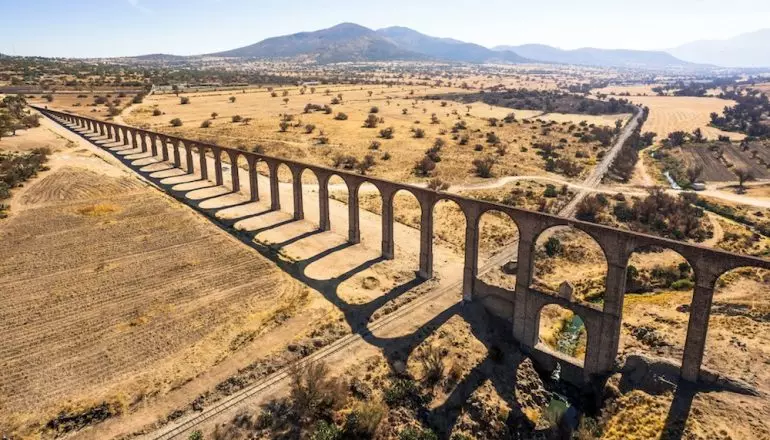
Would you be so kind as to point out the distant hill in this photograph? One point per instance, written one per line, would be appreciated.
(341, 43)
(446, 48)
(159, 57)
(746, 50)
(599, 57)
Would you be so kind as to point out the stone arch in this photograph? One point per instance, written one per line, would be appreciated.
(659, 289)
(369, 199)
(231, 158)
(338, 189)
(568, 261)
(280, 171)
(738, 320)
(450, 221)
(497, 230)
(311, 200)
(203, 161)
(407, 210)
(562, 330)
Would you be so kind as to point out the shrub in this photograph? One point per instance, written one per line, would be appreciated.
(424, 167)
(552, 247)
(341, 116)
(326, 431)
(403, 392)
(371, 121)
(176, 122)
(364, 420)
(385, 156)
(464, 139)
(184, 100)
(48, 97)
(206, 124)
(196, 435)
(309, 128)
(418, 133)
(214, 115)
(410, 433)
(683, 284)
(157, 112)
(374, 110)
(432, 365)
(313, 395)
(437, 185)
(550, 191)
(483, 167)
(344, 161)
(492, 138)
(138, 99)
(365, 164)
(589, 208)
(375, 145)
(236, 118)
(387, 133)
(232, 99)
(283, 126)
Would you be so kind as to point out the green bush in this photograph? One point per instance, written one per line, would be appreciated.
(362, 422)
(403, 392)
(176, 122)
(683, 284)
(550, 191)
(196, 435)
(184, 100)
(552, 247)
(326, 431)
(417, 434)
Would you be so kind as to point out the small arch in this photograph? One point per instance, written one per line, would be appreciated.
(407, 218)
(659, 290)
(284, 174)
(562, 330)
(497, 232)
(370, 200)
(737, 336)
(449, 225)
(338, 193)
(568, 254)
(311, 198)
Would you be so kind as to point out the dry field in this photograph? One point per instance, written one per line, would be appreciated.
(395, 158)
(715, 170)
(113, 293)
(634, 90)
(673, 113)
(74, 103)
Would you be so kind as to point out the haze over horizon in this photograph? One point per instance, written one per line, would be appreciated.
(96, 28)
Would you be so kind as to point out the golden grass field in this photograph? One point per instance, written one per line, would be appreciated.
(351, 138)
(685, 113)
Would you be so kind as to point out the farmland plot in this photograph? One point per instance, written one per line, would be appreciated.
(716, 170)
(112, 292)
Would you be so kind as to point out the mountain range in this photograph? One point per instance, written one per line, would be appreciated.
(746, 50)
(349, 42)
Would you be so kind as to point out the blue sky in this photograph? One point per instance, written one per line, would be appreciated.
(83, 28)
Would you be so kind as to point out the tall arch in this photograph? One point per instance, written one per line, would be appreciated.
(570, 263)
(498, 237)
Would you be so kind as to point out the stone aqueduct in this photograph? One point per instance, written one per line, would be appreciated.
(523, 305)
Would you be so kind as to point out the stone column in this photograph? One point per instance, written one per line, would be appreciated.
(235, 177)
(116, 130)
(324, 220)
(163, 147)
(522, 322)
(354, 222)
(177, 157)
(253, 178)
(188, 157)
(153, 146)
(697, 327)
(605, 345)
(426, 238)
(471, 267)
(125, 136)
(203, 162)
(296, 183)
(388, 242)
(275, 196)
(101, 129)
(144, 141)
(217, 165)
